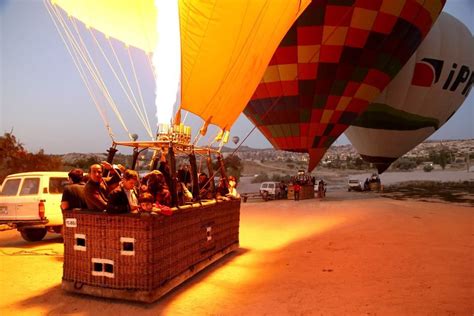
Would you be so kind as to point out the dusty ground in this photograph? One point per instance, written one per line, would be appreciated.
(351, 254)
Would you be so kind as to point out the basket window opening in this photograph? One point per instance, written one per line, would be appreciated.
(99, 267)
(128, 246)
(109, 268)
(80, 242)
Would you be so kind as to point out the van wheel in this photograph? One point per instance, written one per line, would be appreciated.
(33, 234)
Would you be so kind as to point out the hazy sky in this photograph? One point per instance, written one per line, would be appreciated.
(45, 103)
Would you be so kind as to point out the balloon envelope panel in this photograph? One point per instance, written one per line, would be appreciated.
(424, 95)
(334, 61)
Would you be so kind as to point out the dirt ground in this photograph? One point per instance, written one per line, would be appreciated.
(347, 255)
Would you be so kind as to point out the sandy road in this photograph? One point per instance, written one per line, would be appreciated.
(340, 256)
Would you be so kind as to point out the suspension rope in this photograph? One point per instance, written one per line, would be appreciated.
(81, 71)
(134, 103)
(88, 62)
(95, 73)
(147, 120)
(116, 76)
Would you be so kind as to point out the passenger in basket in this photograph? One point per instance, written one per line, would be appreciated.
(156, 185)
(232, 187)
(73, 194)
(205, 191)
(97, 189)
(184, 175)
(147, 206)
(184, 195)
(222, 189)
(124, 198)
(146, 201)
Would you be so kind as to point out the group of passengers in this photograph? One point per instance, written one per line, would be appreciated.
(119, 190)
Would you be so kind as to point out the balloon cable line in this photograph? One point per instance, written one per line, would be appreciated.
(89, 63)
(134, 103)
(78, 65)
(86, 59)
(80, 49)
(147, 120)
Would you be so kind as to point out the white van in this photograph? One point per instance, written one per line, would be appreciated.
(31, 202)
(270, 190)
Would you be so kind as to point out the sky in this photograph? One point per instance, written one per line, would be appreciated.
(44, 102)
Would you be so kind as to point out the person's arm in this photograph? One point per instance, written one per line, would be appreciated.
(118, 202)
(64, 199)
(64, 205)
(94, 199)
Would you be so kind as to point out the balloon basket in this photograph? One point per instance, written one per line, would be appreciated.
(141, 257)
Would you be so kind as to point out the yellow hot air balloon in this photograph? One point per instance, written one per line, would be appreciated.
(225, 45)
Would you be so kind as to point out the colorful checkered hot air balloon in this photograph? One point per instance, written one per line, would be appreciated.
(423, 96)
(334, 61)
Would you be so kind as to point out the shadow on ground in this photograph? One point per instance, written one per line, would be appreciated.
(432, 191)
(67, 303)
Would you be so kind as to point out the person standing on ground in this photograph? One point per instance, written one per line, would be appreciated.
(297, 189)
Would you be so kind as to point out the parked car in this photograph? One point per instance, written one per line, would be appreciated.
(270, 190)
(31, 203)
(354, 185)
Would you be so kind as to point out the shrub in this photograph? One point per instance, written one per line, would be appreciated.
(262, 177)
(428, 168)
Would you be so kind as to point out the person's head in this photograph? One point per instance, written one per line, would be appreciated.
(129, 179)
(146, 201)
(202, 177)
(232, 182)
(75, 175)
(95, 172)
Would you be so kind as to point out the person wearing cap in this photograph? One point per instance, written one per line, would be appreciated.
(73, 194)
(123, 199)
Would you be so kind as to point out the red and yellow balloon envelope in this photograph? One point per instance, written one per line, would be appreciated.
(336, 59)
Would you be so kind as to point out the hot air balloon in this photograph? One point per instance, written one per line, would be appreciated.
(235, 139)
(334, 61)
(225, 45)
(225, 48)
(422, 97)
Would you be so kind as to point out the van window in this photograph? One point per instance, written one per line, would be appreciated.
(271, 185)
(30, 186)
(10, 187)
(56, 185)
(264, 186)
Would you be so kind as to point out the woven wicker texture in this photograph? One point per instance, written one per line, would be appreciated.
(162, 246)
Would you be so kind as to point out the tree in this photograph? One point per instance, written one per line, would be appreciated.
(15, 158)
(404, 164)
(443, 159)
(233, 166)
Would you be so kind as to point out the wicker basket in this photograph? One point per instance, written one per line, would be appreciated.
(143, 256)
(306, 192)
